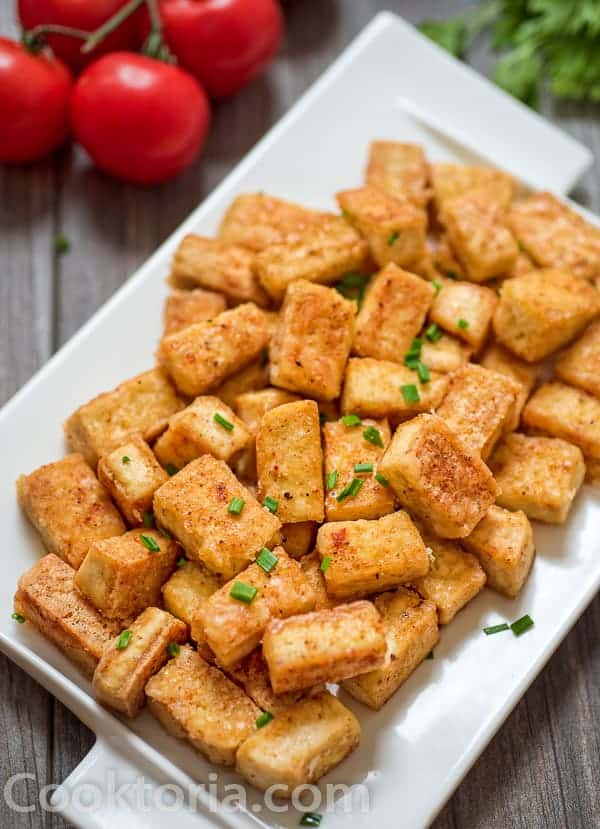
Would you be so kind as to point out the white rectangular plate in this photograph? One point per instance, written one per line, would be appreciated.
(415, 751)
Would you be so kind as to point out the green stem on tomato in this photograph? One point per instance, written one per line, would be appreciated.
(113, 23)
(155, 46)
(34, 39)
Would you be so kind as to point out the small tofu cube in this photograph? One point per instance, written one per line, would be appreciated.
(183, 308)
(140, 405)
(503, 543)
(381, 388)
(395, 228)
(289, 460)
(324, 646)
(68, 507)
(497, 358)
(251, 378)
(121, 676)
(434, 477)
(564, 412)
(311, 564)
(454, 579)
(187, 589)
(411, 627)
(392, 314)
(592, 471)
(445, 354)
(479, 407)
(122, 576)
(446, 260)
(580, 364)
(298, 747)
(297, 539)
(196, 702)
(131, 475)
(257, 221)
(47, 598)
(399, 169)
(464, 310)
(542, 311)
(452, 180)
(193, 505)
(312, 341)
(210, 263)
(202, 356)
(252, 674)
(370, 556)
(538, 475)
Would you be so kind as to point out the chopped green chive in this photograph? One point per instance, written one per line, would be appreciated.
(125, 459)
(351, 420)
(373, 435)
(267, 560)
(331, 479)
(149, 543)
(430, 655)
(165, 533)
(325, 564)
(522, 624)
(414, 352)
(243, 592)
(61, 244)
(272, 504)
(437, 285)
(423, 373)
(264, 719)
(226, 424)
(363, 467)
(171, 469)
(18, 618)
(462, 323)
(351, 489)
(433, 333)
(353, 286)
(181, 562)
(173, 649)
(236, 505)
(410, 393)
(124, 639)
(149, 519)
(393, 238)
(310, 819)
(381, 480)
(346, 214)
(496, 629)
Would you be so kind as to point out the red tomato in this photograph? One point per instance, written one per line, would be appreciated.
(34, 103)
(225, 43)
(82, 14)
(139, 119)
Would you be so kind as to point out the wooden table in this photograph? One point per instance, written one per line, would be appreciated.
(542, 769)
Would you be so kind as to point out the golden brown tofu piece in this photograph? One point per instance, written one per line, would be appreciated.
(233, 628)
(252, 674)
(324, 646)
(479, 407)
(187, 589)
(381, 388)
(580, 364)
(395, 229)
(297, 539)
(445, 354)
(121, 576)
(399, 169)
(452, 180)
(447, 487)
(257, 221)
(464, 310)
(555, 236)
(122, 673)
(251, 378)
(592, 471)
(542, 311)
(68, 507)
(194, 506)
(497, 358)
(312, 341)
(196, 702)
(392, 314)
(503, 543)
(140, 405)
(47, 598)
(361, 557)
(202, 356)
(131, 475)
(446, 261)
(209, 263)
(411, 628)
(300, 745)
(538, 475)
(311, 564)
(564, 412)
(183, 308)
(289, 460)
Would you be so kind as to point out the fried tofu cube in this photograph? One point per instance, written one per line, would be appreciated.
(542, 311)
(131, 475)
(187, 589)
(324, 646)
(479, 407)
(411, 628)
(381, 388)
(289, 460)
(202, 356)
(464, 310)
(140, 405)
(47, 598)
(297, 539)
(194, 506)
(121, 675)
(183, 308)
(299, 746)
(370, 556)
(564, 412)
(447, 487)
(68, 507)
(252, 674)
(452, 180)
(538, 475)
(592, 471)
(503, 543)
(455, 577)
(253, 377)
(196, 702)
(445, 354)
(312, 341)
(234, 628)
(209, 263)
(446, 260)
(311, 564)
(395, 229)
(257, 221)
(122, 576)
(497, 358)
(399, 169)
(556, 236)
(580, 364)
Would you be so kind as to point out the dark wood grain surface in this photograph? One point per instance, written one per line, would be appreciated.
(542, 769)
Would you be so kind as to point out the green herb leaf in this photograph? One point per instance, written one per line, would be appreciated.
(310, 819)
(350, 490)
(462, 323)
(226, 424)
(150, 544)
(423, 373)
(18, 618)
(173, 649)
(171, 469)
(267, 560)
(363, 467)
(393, 238)
(325, 564)
(437, 285)
(351, 420)
(433, 333)
(181, 562)
(61, 244)
(264, 719)
(243, 592)
(410, 393)
(124, 639)
(125, 459)
(149, 520)
(381, 479)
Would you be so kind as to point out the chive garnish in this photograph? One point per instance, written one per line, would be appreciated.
(325, 564)
(61, 244)
(165, 533)
(437, 285)
(522, 624)
(18, 618)
(489, 631)
(351, 489)
(393, 238)
(351, 420)
(243, 592)
(150, 544)
(181, 562)
(149, 519)
(433, 333)
(363, 467)
(410, 393)
(171, 469)
(264, 719)
(124, 639)
(226, 424)
(267, 560)
(381, 480)
(310, 819)
(462, 323)
(423, 373)
(271, 504)
(373, 435)
(173, 649)
(236, 505)
(125, 459)
(331, 479)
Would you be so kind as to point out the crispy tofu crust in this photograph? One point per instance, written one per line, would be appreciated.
(252, 674)
(68, 507)
(183, 308)
(196, 702)
(187, 589)
(253, 377)
(297, 539)
(436, 478)
(47, 598)
(121, 675)
(497, 358)
(580, 364)
(564, 412)
(399, 170)
(462, 302)
(324, 646)
(452, 180)
(445, 355)
(311, 564)
(371, 556)
(300, 745)
(411, 628)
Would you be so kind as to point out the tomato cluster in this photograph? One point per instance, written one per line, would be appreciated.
(139, 116)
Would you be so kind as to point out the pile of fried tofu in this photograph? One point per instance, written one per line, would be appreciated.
(342, 442)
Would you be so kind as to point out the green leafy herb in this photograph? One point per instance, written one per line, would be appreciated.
(363, 467)
(410, 393)
(393, 238)
(125, 459)
(350, 490)
(489, 631)
(433, 333)
(381, 479)
(272, 504)
(331, 479)
(124, 639)
(236, 505)
(243, 592)
(173, 649)
(226, 424)
(267, 560)
(165, 533)
(373, 435)
(462, 323)
(181, 562)
(522, 624)
(423, 373)
(311, 819)
(264, 719)
(149, 519)
(351, 420)
(325, 564)
(171, 469)
(61, 244)
(18, 618)
(150, 544)
(437, 285)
